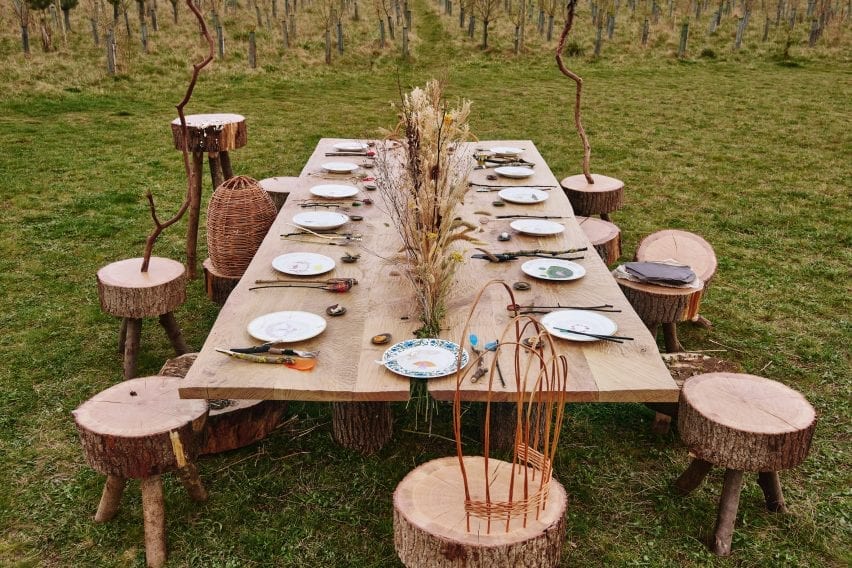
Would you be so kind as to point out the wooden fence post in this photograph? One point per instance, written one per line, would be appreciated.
(110, 50)
(143, 32)
(381, 33)
(405, 42)
(646, 27)
(220, 41)
(598, 38)
(252, 54)
(471, 23)
(339, 36)
(684, 37)
(814, 35)
(461, 17)
(95, 37)
(739, 37)
(327, 46)
(517, 38)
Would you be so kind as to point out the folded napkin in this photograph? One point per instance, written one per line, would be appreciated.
(663, 273)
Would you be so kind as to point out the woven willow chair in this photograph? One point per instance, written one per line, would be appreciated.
(483, 511)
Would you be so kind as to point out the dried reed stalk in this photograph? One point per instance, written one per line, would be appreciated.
(541, 381)
(421, 185)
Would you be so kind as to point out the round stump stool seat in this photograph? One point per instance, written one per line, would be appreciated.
(742, 423)
(127, 292)
(232, 423)
(431, 525)
(604, 236)
(600, 198)
(686, 248)
(139, 428)
(217, 286)
(279, 188)
(216, 135)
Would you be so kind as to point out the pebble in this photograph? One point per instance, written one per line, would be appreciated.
(504, 237)
(381, 339)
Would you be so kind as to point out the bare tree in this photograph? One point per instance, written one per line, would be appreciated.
(44, 25)
(488, 11)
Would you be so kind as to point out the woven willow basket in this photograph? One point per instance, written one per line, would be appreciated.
(238, 218)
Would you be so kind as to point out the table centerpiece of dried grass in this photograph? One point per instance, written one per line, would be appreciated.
(422, 183)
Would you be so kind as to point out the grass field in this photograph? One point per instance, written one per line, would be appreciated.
(751, 152)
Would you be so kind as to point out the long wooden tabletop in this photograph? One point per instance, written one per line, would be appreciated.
(382, 302)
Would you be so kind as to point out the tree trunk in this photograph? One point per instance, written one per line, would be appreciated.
(484, 34)
(362, 426)
(25, 39)
(66, 15)
(217, 285)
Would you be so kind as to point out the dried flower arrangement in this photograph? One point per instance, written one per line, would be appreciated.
(422, 183)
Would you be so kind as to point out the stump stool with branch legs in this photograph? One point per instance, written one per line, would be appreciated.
(216, 135)
(742, 423)
(140, 429)
(127, 292)
(604, 236)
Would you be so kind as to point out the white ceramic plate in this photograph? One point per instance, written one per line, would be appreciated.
(506, 150)
(553, 269)
(320, 220)
(286, 327)
(514, 172)
(303, 263)
(350, 146)
(524, 195)
(537, 227)
(333, 191)
(578, 320)
(340, 167)
(423, 358)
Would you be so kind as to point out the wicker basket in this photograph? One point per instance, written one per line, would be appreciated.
(238, 218)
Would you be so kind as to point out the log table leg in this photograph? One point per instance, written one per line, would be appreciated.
(729, 502)
(154, 517)
(690, 479)
(167, 320)
(194, 212)
(131, 346)
(771, 485)
(110, 498)
(362, 426)
(225, 161)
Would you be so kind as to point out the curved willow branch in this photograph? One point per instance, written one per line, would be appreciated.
(196, 68)
(587, 150)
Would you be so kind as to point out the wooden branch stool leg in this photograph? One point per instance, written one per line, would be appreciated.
(362, 426)
(167, 320)
(194, 212)
(131, 346)
(694, 475)
(140, 428)
(742, 423)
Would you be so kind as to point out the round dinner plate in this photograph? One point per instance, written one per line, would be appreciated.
(286, 327)
(320, 220)
(514, 172)
(332, 191)
(340, 167)
(423, 358)
(350, 146)
(553, 269)
(523, 195)
(537, 227)
(578, 320)
(506, 151)
(303, 263)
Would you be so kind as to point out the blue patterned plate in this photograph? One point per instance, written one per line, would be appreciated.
(423, 358)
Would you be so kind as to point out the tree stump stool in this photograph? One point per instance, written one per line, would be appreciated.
(686, 248)
(362, 426)
(431, 525)
(664, 305)
(279, 188)
(600, 198)
(217, 286)
(127, 292)
(216, 135)
(604, 236)
(231, 424)
(742, 423)
(141, 429)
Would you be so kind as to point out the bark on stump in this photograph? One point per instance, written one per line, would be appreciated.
(217, 286)
(664, 305)
(600, 198)
(742, 423)
(216, 135)
(279, 188)
(686, 248)
(141, 429)
(127, 292)
(362, 426)
(604, 236)
(430, 526)
(231, 424)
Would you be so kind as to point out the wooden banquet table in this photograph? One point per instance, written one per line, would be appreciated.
(382, 302)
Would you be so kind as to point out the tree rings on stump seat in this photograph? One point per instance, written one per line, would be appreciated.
(279, 188)
(232, 423)
(125, 291)
(685, 247)
(430, 525)
(600, 198)
(604, 236)
(216, 285)
(745, 422)
(140, 427)
(211, 132)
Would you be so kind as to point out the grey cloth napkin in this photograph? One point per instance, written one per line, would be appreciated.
(658, 272)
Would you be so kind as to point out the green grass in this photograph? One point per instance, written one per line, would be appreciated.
(749, 153)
